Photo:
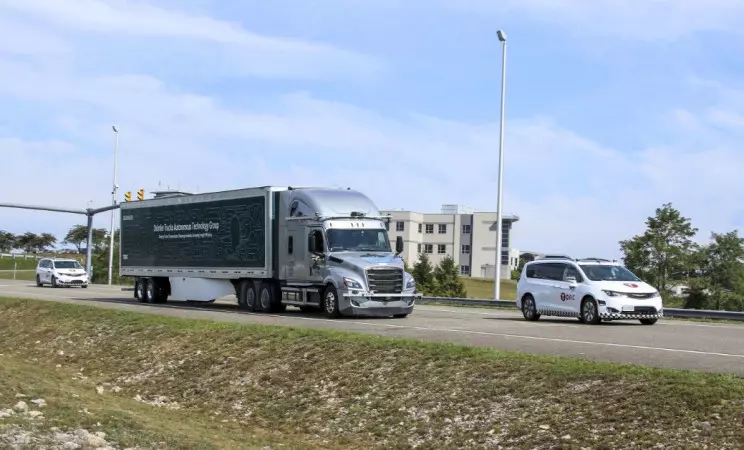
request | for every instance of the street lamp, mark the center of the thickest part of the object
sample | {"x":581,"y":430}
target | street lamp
{"x":499,"y":224}
{"x":113,"y":202}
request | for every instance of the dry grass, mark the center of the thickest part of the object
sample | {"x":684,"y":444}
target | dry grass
{"x":162,"y":377}
{"x":483,"y":288}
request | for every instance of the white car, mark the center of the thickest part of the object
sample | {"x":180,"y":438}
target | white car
{"x":591,"y":290}
{"x":61,"y":272}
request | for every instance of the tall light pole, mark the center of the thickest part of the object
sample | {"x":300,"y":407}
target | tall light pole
{"x":499,"y":210}
{"x":113,"y":202}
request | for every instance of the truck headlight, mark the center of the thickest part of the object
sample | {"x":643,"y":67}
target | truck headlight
{"x":411,"y":283}
{"x":352,"y":284}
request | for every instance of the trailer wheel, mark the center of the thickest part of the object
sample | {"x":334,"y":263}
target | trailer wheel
{"x":160,"y":291}
{"x":247,"y":296}
{"x":139,"y":290}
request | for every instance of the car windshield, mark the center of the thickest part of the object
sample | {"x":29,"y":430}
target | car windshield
{"x":356,"y":240}
{"x":598,"y":272}
{"x":67,"y":265}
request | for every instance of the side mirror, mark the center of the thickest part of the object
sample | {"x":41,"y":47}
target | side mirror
{"x":571,"y":281}
{"x":399,"y":245}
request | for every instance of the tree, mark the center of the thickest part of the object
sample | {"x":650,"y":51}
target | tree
{"x":78,"y":236}
{"x":28,"y":241}
{"x":449,"y":283}
{"x":7,"y":241}
{"x":45,"y":240}
{"x":723,"y":267}
{"x":665,"y":247}
{"x":423,"y":273}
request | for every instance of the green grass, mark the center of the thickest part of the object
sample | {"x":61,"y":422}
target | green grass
{"x":483,"y":288}
{"x":328,"y":389}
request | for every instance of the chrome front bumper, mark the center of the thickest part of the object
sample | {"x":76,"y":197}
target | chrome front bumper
{"x":359,"y":303}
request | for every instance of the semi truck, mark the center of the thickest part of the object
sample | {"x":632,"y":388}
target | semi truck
{"x":319,"y":249}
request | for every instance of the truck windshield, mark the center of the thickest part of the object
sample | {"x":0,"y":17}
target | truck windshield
{"x":355,"y":240}
{"x":598,"y":272}
{"x":67,"y":265}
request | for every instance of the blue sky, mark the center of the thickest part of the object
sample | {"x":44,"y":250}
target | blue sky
{"x":613,"y":107}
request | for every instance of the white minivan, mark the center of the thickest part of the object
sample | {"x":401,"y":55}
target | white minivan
{"x":61,"y":272}
{"x":591,"y":290}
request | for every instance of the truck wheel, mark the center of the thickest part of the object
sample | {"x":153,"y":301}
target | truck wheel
{"x":265,"y":298}
{"x":247,"y":296}
{"x":330,"y":302}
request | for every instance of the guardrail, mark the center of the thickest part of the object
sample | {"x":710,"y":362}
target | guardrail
{"x":668,"y":312}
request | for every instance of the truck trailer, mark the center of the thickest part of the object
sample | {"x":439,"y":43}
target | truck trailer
{"x":321,"y":249}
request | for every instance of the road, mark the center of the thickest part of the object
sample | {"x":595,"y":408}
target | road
{"x":669,"y":344}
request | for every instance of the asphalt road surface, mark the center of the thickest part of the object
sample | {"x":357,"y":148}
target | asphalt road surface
{"x":670,"y":343}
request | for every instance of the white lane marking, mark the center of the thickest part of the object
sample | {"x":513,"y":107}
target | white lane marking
{"x":451,"y":330}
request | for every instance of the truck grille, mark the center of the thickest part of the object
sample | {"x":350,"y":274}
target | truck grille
{"x":385,"y":280}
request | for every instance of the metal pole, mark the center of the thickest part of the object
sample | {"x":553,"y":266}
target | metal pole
{"x":113,"y":202}
{"x":499,"y":209}
{"x":89,"y":249}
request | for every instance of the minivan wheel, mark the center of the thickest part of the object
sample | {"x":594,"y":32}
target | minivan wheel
{"x":38,"y":281}
{"x":589,"y":311}
{"x":529,"y":309}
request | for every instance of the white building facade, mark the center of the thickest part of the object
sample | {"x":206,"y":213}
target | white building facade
{"x":468,"y":236}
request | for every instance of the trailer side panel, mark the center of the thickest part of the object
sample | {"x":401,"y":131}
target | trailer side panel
{"x":213,"y":237}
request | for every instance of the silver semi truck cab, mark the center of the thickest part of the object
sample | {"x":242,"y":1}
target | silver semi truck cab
{"x":337,"y":247}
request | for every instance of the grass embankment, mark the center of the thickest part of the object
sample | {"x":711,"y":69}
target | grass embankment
{"x":26,"y":268}
{"x":483,"y":288}
{"x":191,"y":383}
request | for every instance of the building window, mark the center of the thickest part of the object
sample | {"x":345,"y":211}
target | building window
{"x":428,"y":248}
{"x":419,"y":228}
{"x":441,"y":249}
{"x":505,"y":257}
{"x":464,"y":270}
{"x":466,"y":229}
{"x":442,"y":228}
{"x":465,"y":249}
{"x":399,"y":226}
{"x":418,"y":249}
{"x":429,"y":228}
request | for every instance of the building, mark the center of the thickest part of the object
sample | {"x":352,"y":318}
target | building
{"x":468,"y":236}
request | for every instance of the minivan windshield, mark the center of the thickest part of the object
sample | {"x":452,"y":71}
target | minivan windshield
{"x":67,"y":265}
{"x":358,"y":240}
{"x":598,"y":272}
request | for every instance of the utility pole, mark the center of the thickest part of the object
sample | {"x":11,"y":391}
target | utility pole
{"x":113,"y":203}
{"x":499,"y":210}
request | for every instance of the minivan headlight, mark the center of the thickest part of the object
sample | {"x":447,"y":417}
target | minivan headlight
{"x":612,"y":293}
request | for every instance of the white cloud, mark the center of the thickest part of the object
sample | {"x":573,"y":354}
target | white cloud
{"x":251,"y":53}
{"x":662,"y":20}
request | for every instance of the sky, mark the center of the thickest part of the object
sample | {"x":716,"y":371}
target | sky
{"x":612,"y":107}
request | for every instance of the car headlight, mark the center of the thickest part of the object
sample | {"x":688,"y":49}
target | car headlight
{"x":612,"y":293}
{"x":352,"y":284}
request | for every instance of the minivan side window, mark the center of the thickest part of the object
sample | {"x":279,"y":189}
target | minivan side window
{"x":546,"y":271}
{"x":571,"y":271}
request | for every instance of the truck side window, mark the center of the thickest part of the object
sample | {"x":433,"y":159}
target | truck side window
{"x":290,"y":245}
